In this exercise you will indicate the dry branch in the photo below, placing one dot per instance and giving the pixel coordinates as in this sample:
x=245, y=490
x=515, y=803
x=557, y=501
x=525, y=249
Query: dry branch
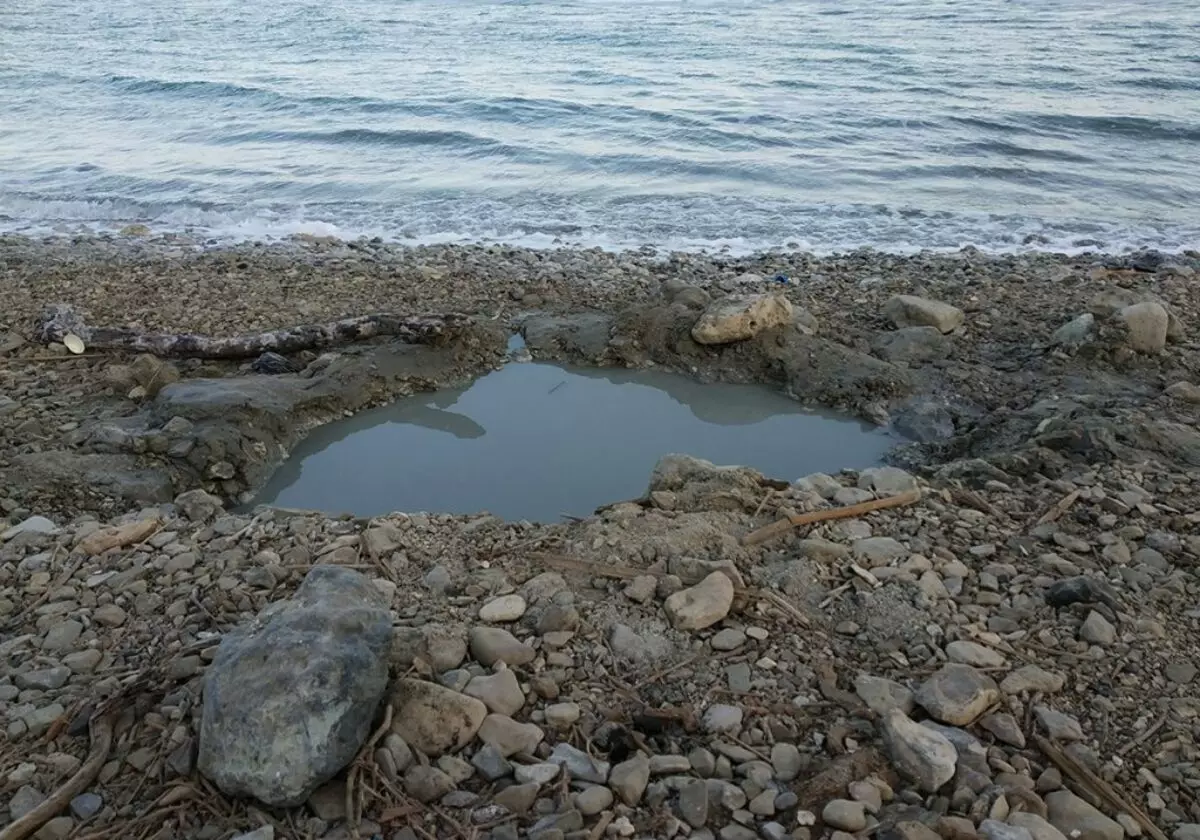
x=56, y=803
x=783, y=526
x=1085, y=778
x=60, y=320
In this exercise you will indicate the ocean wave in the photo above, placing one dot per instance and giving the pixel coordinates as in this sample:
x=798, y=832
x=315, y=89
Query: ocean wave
x=684, y=223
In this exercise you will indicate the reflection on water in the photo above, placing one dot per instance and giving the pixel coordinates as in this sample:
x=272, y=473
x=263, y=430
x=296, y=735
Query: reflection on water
x=535, y=441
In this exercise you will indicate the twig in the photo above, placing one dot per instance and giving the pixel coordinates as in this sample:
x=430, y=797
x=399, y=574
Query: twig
x=963, y=496
x=766, y=498
x=1162, y=721
x=746, y=746
x=1097, y=786
x=600, y=827
x=453, y=823
x=785, y=525
x=1058, y=508
x=352, y=813
x=658, y=675
x=102, y=738
x=69, y=358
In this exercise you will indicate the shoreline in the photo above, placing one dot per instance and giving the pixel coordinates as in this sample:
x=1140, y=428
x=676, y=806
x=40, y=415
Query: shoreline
x=1051, y=453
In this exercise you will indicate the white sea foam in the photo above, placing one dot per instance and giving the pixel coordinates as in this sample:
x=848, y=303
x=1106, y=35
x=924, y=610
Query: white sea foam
x=681, y=225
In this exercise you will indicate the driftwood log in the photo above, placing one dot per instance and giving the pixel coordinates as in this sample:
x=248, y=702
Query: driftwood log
x=60, y=320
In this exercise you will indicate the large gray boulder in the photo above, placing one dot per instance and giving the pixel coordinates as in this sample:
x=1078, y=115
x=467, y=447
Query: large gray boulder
x=290, y=698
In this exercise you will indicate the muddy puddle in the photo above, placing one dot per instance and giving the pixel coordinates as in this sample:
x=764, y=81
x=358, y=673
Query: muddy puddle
x=538, y=441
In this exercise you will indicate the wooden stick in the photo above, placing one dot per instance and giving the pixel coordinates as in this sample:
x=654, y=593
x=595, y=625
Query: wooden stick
x=795, y=520
x=352, y=813
x=601, y=826
x=28, y=825
x=1100, y=788
x=1058, y=508
x=1162, y=721
x=60, y=320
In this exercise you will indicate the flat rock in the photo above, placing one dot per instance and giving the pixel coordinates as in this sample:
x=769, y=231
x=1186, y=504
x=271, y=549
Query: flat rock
x=1097, y=630
x=844, y=814
x=629, y=779
x=516, y=798
x=86, y=805
x=974, y=654
x=879, y=551
x=1059, y=726
x=504, y=608
x=740, y=317
x=911, y=311
x=882, y=695
x=434, y=719
x=539, y=774
x=1075, y=332
x=46, y=679
x=886, y=481
x=592, y=800
x=1184, y=831
x=693, y=803
x=1005, y=727
x=198, y=505
x=490, y=645
x=957, y=694
x=1033, y=679
x=510, y=736
x=996, y=830
x=39, y=525
x=1079, y=820
x=580, y=765
x=702, y=605
x=562, y=715
x=490, y=763
x=920, y=754
x=500, y=692
x=425, y=784
x=290, y=697
x=912, y=345
x=25, y=800
x=728, y=639
x=1037, y=826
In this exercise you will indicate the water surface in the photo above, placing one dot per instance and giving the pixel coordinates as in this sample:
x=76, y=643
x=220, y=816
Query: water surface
x=535, y=441
x=753, y=123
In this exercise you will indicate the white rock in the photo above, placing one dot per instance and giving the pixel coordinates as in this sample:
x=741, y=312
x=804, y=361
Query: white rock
x=973, y=653
x=504, y=608
x=720, y=717
x=702, y=605
x=434, y=719
x=1147, y=325
x=922, y=755
x=911, y=311
x=32, y=525
x=739, y=317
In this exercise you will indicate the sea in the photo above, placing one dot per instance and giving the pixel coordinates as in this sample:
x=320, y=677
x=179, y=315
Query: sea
x=742, y=125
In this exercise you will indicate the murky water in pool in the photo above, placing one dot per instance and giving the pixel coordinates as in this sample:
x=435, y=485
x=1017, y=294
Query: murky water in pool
x=535, y=441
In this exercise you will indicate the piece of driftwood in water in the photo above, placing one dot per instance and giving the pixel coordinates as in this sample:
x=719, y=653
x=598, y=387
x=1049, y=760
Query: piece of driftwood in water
x=61, y=320
x=783, y=526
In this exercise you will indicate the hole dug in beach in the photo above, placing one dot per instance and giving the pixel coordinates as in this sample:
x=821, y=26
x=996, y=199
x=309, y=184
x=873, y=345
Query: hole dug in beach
x=538, y=441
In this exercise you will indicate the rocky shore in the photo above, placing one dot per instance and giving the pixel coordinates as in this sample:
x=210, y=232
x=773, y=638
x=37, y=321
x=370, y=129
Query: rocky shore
x=1012, y=656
